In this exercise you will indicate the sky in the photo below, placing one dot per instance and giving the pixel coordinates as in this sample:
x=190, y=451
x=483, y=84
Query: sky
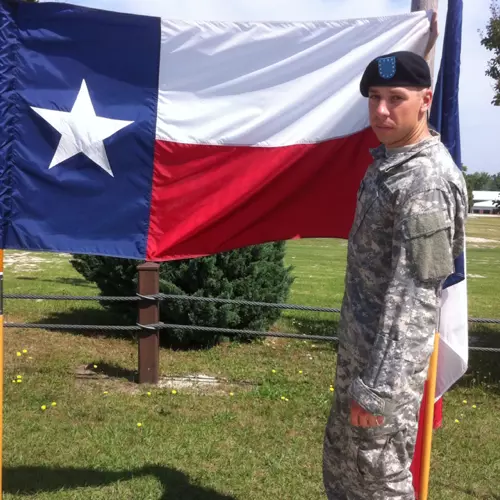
x=479, y=119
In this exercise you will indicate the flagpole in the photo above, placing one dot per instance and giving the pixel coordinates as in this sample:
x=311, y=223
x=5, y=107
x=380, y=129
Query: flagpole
x=429, y=422
x=417, y=5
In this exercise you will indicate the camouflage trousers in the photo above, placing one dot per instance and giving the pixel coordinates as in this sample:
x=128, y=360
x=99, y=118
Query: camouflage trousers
x=370, y=463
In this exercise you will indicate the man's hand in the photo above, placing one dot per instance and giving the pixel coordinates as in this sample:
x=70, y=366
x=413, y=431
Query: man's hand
x=361, y=418
x=432, y=36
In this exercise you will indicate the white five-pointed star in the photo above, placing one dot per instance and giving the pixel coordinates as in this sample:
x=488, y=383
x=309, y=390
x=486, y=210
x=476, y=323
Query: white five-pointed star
x=82, y=131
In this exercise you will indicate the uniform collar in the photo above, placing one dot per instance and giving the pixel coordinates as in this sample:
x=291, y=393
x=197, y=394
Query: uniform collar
x=397, y=156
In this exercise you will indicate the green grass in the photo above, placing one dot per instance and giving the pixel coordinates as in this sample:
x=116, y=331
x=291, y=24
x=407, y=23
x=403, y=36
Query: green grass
x=205, y=443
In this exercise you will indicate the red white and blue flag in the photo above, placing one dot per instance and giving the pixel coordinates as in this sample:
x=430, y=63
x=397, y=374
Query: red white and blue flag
x=149, y=137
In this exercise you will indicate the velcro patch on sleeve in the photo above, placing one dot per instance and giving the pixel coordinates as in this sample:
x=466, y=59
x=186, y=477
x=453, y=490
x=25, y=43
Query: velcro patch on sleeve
x=429, y=248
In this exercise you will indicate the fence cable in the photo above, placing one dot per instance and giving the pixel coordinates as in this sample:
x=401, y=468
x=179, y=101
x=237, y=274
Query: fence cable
x=222, y=331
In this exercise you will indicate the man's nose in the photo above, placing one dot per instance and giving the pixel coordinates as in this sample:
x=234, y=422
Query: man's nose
x=382, y=109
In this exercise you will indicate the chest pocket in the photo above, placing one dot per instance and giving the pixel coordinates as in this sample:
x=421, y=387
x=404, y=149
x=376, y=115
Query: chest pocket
x=368, y=194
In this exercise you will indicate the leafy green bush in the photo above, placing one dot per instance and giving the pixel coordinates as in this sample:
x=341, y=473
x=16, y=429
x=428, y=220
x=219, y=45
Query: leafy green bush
x=256, y=273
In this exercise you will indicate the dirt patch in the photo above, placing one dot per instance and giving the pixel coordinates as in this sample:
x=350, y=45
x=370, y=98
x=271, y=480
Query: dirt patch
x=29, y=261
x=203, y=384
x=472, y=239
x=189, y=382
x=126, y=381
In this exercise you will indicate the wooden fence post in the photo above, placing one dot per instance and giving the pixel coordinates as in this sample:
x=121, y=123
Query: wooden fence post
x=149, y=313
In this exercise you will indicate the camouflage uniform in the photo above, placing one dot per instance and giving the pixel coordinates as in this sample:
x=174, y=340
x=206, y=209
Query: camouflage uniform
x=409, y=227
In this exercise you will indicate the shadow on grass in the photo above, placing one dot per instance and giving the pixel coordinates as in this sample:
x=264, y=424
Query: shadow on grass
x=483, y=367
x=33, y=480
x=468, y=491
x=110, y=370
x=311, y=326
x=90, y=316
x=306, y=325
x=94, y=316
x=103, y=317
x=60, y=281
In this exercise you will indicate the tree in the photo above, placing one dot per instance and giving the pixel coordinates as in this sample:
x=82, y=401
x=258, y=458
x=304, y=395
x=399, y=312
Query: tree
x=481, y=181
x=495, y=182
x=491, y=40
x=256, y=273
x=496, y=203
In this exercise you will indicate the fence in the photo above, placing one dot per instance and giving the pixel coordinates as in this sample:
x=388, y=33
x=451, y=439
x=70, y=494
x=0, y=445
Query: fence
x=148, y=298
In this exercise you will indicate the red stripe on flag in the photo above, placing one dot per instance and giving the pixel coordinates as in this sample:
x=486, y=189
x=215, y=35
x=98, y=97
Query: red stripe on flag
x=209, y=199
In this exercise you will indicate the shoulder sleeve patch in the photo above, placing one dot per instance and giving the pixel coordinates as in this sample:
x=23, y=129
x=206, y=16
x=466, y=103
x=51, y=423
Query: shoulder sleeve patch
x=428, y=241
x=425, y=224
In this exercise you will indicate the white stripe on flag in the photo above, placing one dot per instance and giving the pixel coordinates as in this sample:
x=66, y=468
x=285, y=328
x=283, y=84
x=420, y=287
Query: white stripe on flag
x=453, y=354
x=272, y=83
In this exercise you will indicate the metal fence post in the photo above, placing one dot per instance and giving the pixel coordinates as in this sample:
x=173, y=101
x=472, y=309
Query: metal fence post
x=149, y=313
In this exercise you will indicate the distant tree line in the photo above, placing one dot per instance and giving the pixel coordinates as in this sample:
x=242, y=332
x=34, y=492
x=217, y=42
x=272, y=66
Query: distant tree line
x=480, y=181
x=483, y=181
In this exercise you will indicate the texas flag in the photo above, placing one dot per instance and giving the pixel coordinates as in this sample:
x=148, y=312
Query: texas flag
x=158, y=138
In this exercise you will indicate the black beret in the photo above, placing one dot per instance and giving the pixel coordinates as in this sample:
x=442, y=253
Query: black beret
x=397, y=69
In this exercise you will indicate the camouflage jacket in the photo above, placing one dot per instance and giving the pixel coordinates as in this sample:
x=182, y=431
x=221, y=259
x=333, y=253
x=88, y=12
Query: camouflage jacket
x=409, y=226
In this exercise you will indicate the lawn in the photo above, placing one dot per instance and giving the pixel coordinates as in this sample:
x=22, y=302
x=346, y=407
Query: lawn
x=235, y=440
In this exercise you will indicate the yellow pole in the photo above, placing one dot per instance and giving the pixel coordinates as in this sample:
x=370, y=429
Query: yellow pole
x=425, y=464
x=1, y=370
x=429, y=423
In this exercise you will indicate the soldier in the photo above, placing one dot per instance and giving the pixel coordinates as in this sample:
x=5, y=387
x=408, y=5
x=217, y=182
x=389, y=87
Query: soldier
x=409, y=227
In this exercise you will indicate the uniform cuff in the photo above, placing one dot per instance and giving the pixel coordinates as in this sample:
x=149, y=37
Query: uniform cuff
x=366, y=398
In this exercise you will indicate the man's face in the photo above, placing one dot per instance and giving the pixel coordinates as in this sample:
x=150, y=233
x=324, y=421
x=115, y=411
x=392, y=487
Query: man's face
x=396, y=112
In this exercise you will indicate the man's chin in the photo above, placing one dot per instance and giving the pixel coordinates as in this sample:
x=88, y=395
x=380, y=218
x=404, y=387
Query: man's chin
x=385, y=135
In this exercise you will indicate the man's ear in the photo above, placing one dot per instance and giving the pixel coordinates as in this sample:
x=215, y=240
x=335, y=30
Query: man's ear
x=427, y=96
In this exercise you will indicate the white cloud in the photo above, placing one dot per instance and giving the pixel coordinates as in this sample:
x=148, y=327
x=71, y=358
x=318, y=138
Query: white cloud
x=480, y=121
